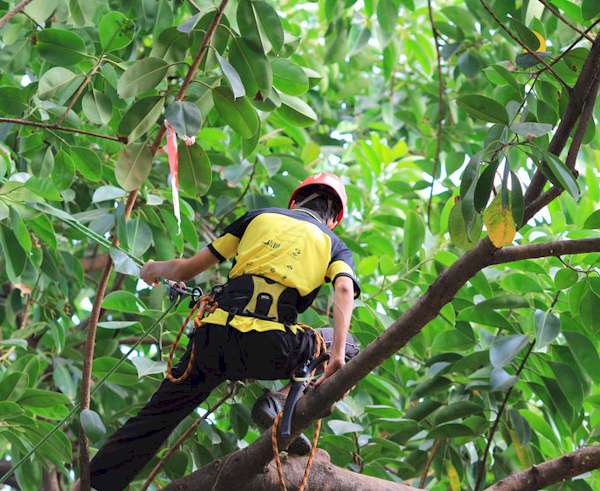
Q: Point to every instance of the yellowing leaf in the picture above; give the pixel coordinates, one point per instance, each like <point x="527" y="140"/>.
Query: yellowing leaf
<point x="542" y="41"/>
<point x="499" y="223"/>
<point x="453" y="477"/>
<point x="522" y="453"/>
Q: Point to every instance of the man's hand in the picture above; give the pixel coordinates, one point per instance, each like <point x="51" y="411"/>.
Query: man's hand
<point x="334" y="364"/>
<point x="150" y="272"/>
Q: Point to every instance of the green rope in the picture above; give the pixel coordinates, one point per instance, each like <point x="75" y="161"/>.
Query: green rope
<point x="94" y="390"/>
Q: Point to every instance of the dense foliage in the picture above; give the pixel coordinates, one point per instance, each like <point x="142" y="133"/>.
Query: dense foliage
<point x="286" y="89"/>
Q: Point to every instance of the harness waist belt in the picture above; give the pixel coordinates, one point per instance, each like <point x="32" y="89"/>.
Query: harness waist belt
<point x="259" y="297"/>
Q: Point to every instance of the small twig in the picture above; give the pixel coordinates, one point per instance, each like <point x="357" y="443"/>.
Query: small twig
<point x="441" y="111"/>
<point x="494" y="428"/>
<point x="54" y="126"/>
<point x="566" y="21"/>
<point x="186" y="435"/>
<point x="241" y="197"/>
<point x="572" y="45"/>
<point x="434" y="450"/>
<point x="523" y="45"/>
<point x="14" y="11"/>
<point x="77" y="95"/>
<point x="577" y="270"/>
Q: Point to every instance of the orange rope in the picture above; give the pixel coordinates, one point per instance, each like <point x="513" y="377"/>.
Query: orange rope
<point x="206" y="304"/>
<point x="320" y="347"/>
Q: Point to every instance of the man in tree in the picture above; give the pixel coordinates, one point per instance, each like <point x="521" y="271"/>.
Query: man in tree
<point x="281" y="259"/>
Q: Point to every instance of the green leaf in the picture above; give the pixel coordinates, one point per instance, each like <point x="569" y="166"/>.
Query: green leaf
<point x="500" y="380"/>
<point x="414" y="235"/>
<point x="531" y="129"/>
<point x="387" y="15"/>
<point x="562" y="175"/>
<point x="12" y="101"/>
<point x="14" y="256"/>
<point x="584" y="352"/>
<point x="565" y="278"/>
<point x="124" y="375"/>
<point x="504" y="302"/>
<point x="547" y="328"/>
<point x="87" y="163"/>
<point x="134" y="166"/>
<point x="92" y="425"/>
<point x="485" y="184"/>
<point x="107" y="193"/>
<point x="9" y="409"/>
<point x="458" y="229"/>
<point x="456" y="410"/>
<point x="185" y="118"/>
<point x="237" y="113"/>
<point x="505" y="348"/>
<point x="593" y="221"/>
<point x="568" y="381"/>
<point x="525" y="35"/>
<point x="123" y="301"/>
<point x="484" y="108"/>
<point x="270" y="24"/>
<point x="240" y="419"/>
<point x="296" y="112"/>
<point x="97" y="107"/>
<point x="139" y="236"/>
<point x="141" y="117"/>
<point x="20" y="230"/>
<point x="60" y="47"/>
<point x="517" y="203"/>
<point x="58" y="82"/>
<point x="590" y="9"/>
<point x="142" y="76"/>
<point x="288" y="77"/>
<point x="248" y="23"/>
<point x="146" y="366"/>
<point x="116" y="31"/>
<point x="232" y="76"/>
<point x="341" y="427"/>
<point x="117" y="324"/>
<point x="469" y="64"/>
<point x="194" y="170"/>
<point x="35" y="398"/>
<point x="253" y="68"/>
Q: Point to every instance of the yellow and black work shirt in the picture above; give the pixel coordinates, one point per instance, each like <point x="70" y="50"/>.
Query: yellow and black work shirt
<point x="292" y="247"/>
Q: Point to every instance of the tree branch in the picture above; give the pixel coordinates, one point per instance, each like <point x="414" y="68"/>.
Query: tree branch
<point x="580" y="93"/>
<point x="541" y="475"/>
<point x="57" y="127"/>
<point x="84" y="463"/>
<point x="441" y="109"/>
<point x="80" y="89"/>
<point x="523" y="45"/>
<point x="324" y="476"/>
<point x="566" y="21"/>
<point x="494" y="428"/>
<point x="547" y="249"/>
<point x="14" y="11"/>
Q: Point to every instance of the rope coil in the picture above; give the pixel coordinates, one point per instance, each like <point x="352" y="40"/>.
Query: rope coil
<point x="205" y="305"/>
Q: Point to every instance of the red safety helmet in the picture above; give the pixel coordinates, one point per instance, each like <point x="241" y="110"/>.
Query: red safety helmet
<point x="332" y="181"/>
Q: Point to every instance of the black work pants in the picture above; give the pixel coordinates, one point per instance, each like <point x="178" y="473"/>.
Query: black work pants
<point x="221" y="353"/>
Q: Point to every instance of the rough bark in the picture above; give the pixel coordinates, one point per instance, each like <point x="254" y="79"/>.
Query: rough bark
<point x="324" y="476"/>
<point x="539" y="476"/>
<point x="246" y="463"/>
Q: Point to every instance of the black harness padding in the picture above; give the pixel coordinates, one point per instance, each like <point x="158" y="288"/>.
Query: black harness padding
<point x="259" y="297"/>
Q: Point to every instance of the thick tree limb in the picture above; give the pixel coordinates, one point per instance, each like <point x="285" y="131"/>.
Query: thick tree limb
<point x="57" y="127"/>
<point x="324" y="476"/>
<point x="539" y="476"/>
<point x="14" y="11"/>
<point x="547" y="249"/>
